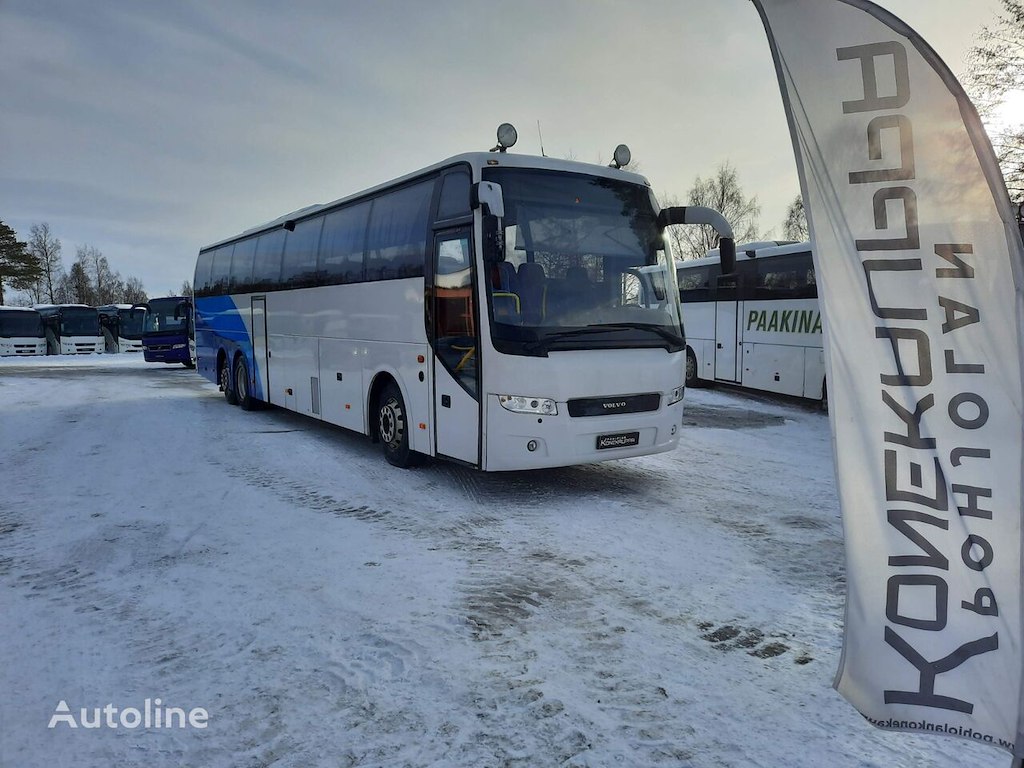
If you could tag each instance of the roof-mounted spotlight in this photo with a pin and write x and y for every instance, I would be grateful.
(507, 137)
(620, 157)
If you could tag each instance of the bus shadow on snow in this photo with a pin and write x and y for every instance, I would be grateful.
(728, 417)
(623, 479)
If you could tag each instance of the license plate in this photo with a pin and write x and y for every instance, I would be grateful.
(619, 440)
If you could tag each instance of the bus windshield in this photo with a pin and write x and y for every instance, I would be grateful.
(21, 324)
(130, 323)
(160, 315)
(584, 266)
(79, 321)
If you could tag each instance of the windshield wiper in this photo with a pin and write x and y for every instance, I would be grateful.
(543, 344)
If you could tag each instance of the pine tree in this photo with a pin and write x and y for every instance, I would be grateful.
(19, 268)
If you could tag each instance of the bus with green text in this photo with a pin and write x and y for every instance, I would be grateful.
(759, 328)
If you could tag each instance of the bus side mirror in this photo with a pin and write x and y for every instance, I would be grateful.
(727, 255)
(488, 195)
(699, 214)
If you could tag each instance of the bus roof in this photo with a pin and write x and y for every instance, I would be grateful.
(5, 308)
(754, 250)
(476, 160)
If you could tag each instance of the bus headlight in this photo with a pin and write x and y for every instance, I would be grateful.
(675, 395)
(521, 404)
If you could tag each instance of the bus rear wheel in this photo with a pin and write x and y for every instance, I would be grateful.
(393, 428)
(224, 377)
(242, 393)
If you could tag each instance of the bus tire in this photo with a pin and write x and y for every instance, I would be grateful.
(242, 393)
(393, 427)
(691, 369)
(224, 376)
(824, 396)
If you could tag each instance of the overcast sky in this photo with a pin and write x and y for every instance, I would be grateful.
(149, 129)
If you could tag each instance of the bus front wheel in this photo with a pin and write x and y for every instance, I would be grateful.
(393, 427)
(225, 383)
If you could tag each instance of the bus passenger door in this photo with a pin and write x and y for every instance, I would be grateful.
(726, 339)
(455, 339)
(259, 345)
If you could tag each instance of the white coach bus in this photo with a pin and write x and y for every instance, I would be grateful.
(71, 329)
(122, 327)
(487, 309)
(759, 328)
(21, 332)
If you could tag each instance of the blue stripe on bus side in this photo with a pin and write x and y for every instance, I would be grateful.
(219, 317)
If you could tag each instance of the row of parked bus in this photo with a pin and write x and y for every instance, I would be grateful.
(161, 329)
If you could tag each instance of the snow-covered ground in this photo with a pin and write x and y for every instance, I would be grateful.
(327, 609)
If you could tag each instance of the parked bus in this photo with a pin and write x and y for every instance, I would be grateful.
(167, 335)
(21, 332)
(122, 327)
(487, 309)
(71, 329)
(759, 328)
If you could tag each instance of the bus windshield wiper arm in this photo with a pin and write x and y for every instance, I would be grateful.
(661, 330)
(542, 344)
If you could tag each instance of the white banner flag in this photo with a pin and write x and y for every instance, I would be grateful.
(920, 268)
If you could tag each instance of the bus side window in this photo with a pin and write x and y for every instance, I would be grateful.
(241, 265)
(220, 272)
(695, 283)
(298, 265)
(342, 244)
(202, 276)
(790, 276)
(396, 241)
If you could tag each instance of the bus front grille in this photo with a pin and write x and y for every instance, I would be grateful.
(614, 404)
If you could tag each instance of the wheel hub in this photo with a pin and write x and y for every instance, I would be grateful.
(388, 422)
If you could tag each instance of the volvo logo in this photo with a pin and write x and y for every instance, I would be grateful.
(619, 404)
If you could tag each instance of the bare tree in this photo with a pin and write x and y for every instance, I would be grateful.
(996, 70)
(186, 289)
(795, 225)
(106, 283)
(134, 291)
(79, 286)
(723, 193)
(680, 246)
(46, 248)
